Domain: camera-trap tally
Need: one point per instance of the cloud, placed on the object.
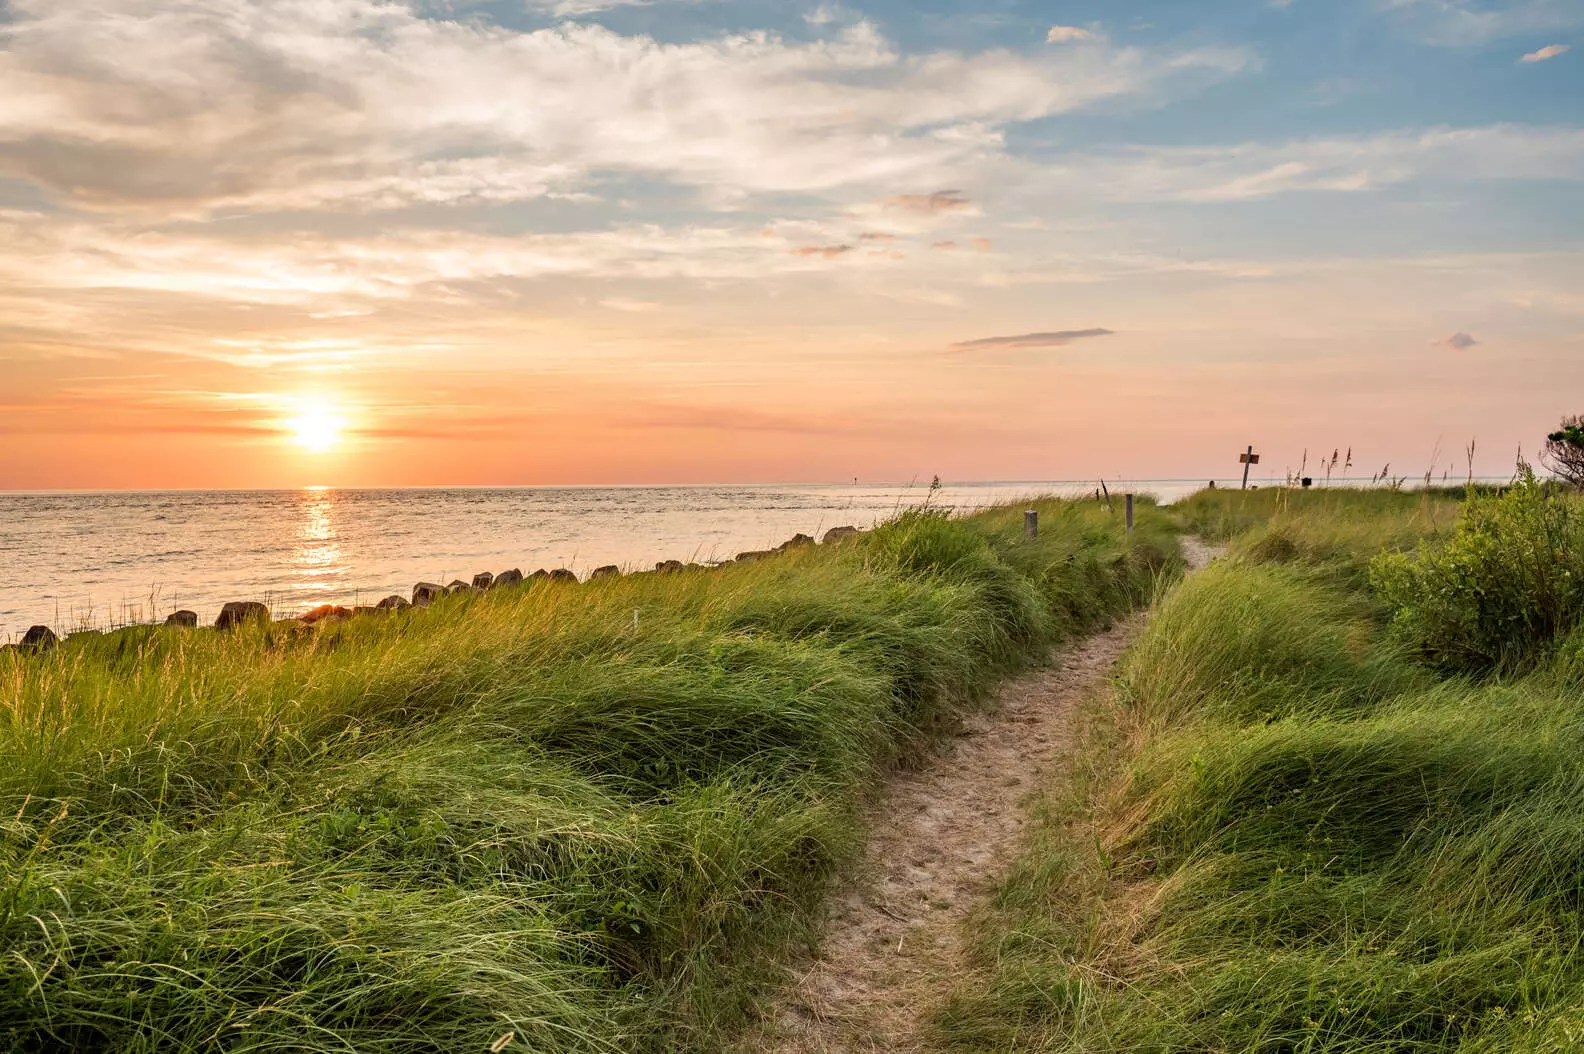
(982, 245)
(1465, 23)
(929, 204)
(825, 251)
(947, 245)
(1056, 339)
(1550, 51)
(290, 105)
(1254, 171)
(876, 236)
(1068, 34)
(1459, 341)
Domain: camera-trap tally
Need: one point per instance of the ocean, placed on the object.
(77, 560)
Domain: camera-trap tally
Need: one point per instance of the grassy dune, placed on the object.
(568, 818)
(1336, 804)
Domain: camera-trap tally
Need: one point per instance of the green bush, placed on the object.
(1500, 591)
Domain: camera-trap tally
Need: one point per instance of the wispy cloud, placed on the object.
(1055, 339)
(825, 251)
(929, 204)
(1459, 341)
(1252, 171)
(280, 105)
(1467, 23)
(1068, 34)
(1550, 51)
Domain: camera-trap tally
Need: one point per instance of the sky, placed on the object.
(255, 243)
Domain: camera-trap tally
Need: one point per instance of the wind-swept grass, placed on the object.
(1284, 833)
(557, 818)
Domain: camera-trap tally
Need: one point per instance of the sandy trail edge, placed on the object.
(938, 838)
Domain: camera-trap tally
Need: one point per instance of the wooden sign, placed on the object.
(1248, 459)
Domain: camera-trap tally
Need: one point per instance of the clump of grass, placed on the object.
(518, 814)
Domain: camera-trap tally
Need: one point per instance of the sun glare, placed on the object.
(316, 428)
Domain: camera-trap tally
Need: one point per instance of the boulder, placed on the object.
(392, 603)
(540, 575)
(669, 567)
(757, 554)
(38, 639)
(185, 618)
(513, 577)
(458, 586)
(561, 574)
(239, 611)
(482, 580)
(797, 541)
(608, 571)
(424, 593)
(836, 534)
(325, 613)
(364, 609)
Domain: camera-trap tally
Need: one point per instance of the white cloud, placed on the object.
(1468, 23)
(283, 104)
(1068, 34)
(1550, 51)
(1251, 171)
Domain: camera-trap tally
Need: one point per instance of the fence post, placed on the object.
(1129, 511)
(1031, 524)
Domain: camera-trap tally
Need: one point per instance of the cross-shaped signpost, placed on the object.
(1248, 459)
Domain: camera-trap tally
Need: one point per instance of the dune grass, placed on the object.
(1291, 828)
(547, 817)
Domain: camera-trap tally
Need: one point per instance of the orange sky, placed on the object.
(350, 242)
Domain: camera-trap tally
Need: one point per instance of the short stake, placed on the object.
(1031, 524)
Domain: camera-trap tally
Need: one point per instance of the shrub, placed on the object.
(1500, 591)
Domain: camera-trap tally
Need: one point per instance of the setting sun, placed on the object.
(316, 428)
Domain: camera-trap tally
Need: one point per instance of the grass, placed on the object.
(523, 820)
(1290, 830)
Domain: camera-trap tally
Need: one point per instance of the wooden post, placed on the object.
(1129, 511)
(1248, 459)
(1031, 524)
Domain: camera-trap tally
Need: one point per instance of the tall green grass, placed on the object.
(554, 818)
(1286, 833)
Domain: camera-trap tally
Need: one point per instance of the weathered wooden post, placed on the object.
(1248, 459)
(1031, 524)
(1129, 511)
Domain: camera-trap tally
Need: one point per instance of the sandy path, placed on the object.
(938, 840)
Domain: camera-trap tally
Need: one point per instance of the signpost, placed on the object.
(1248, 459)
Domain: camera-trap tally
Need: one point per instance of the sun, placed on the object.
(316, 428)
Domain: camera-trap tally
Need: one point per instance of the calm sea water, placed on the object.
(76, 560)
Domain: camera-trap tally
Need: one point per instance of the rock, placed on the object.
(669, 567)
(424, 593)
(364, 609)
(561, 574)
(185, 618)
(392, 603)
(482, 580)
(836, 534)
(797, 541)
(240, 611)
(458, 586)
(608, 571)
(37, 639)
(513, 577)
(757, 554)
(325, 613)
(540, 575)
